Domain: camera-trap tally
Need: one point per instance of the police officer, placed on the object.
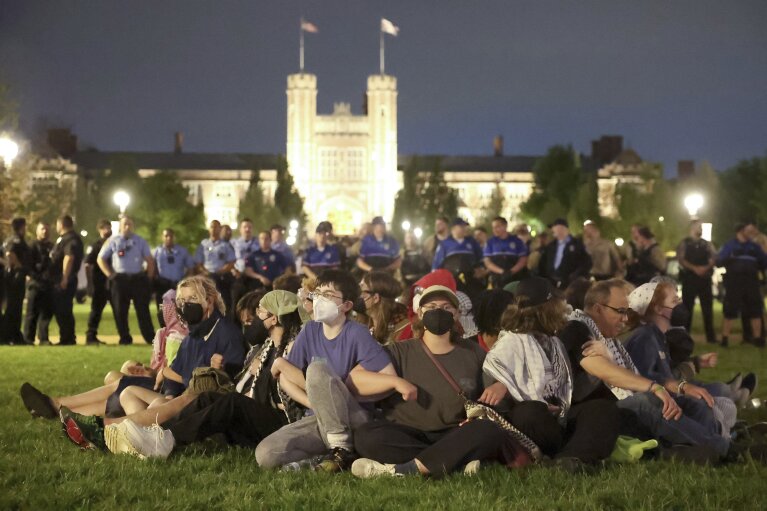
(122, 260)
(322, 255)
(66, 258)
(280, 245)
(462, 256)
(265, 264)
(215, 257)
(743, 259)
(245, 245)
(97, 282)
(696, 258)
(39, 287)
(378, 250)
(505, 255)
(173, 263)
(17, 267)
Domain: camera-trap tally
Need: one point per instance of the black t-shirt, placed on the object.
(18, 246)
(92, 259)
(69, 244)
(40, 260)
(585, 386)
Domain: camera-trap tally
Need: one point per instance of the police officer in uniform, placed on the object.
(696, 258)
(505, 255)
(265, 264)
(39, 287)
(322, 255)
(743, 259)
(280, 245)
(17, 267)
(379, 251)
(122, 260)
(173, 263)
(215, 257)
(97, 282)
(462, 256)
(245, 245)
(66, 258)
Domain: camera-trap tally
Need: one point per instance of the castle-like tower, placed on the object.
(344, 165)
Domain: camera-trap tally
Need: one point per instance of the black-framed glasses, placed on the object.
(623, 311)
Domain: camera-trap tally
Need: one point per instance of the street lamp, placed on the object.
(418, 232)
(122, 199)
(693, 203)
(406, 225)
(9, 150)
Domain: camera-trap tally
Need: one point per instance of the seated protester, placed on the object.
(379, 251)
(420, 432)
(435, 278)
(265, 264)
(651, 307)
(491, 304)
(505, 255)
(462, 256)
(387, 318)
(306, 295)
(531, 365)
(605, 370)
(288, 282)
(253, 331)
(322, 255)
(167, 340)
(319, 373)
(466, 317)
(257, 407)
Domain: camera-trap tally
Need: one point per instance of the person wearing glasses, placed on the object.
(605, 370)
(321, 372)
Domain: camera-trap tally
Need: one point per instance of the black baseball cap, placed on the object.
(378, 221)
(560, 221)
(534, 291)
(324, 226)
(459, 221)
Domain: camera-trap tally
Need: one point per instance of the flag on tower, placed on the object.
(389, 27)
(307, 26)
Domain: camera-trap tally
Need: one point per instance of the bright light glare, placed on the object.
(406, 225)
(291, 240)
(693, 203)
(9, 150)
(293, 224)
(122, 199)
(619, 242)
(418, 232)
(84, 234)
(660, 219)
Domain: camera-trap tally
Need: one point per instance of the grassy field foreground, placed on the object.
(40, 469)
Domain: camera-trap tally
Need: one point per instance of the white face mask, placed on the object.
(325, 311)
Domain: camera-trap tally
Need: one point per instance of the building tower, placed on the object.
(382, 143)
(302, 110)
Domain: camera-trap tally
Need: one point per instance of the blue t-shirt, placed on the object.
(325, 258)
(173, 262)
(214, 255)
(450, 246)
(353, 346)
(126, 255)
(386, 248)
(269, 264)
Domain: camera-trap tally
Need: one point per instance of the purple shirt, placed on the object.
(353, 346)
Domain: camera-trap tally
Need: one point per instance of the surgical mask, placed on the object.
(325, 311)
(255, 333)
(438, 321)
(680, 315)
(192, 313)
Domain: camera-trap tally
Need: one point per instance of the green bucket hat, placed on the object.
(280, 302)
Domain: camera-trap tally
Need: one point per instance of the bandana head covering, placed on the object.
(640, 298)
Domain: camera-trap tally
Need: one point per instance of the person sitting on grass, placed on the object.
(420, 432)
(386, 317)
(491, 305)
(531, 366)
(319, 373)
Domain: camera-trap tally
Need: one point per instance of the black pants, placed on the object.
(243, 420)
(134, 287)
(15, 287)
(160, 287)
(700, 288)
(439, 451)
(589, 435)
(101, 296)
(63, 301)
(39, 311)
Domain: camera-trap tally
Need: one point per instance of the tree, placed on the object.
(493, 208)
(255, 206)
(556, 175)
(286, 197)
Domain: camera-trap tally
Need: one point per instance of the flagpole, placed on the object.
(382, 52)
(301, 45)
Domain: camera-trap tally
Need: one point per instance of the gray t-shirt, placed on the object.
(437, 407)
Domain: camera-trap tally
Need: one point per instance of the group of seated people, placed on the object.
(340, 375)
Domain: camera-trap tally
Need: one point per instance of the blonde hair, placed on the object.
(204, 287)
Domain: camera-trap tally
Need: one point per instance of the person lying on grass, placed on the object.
(256, 408)
(319, 372)
(531, 367)
(421, 432)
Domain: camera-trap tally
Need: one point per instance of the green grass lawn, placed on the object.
(41, 469)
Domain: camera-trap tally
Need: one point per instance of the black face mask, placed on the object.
(255, 333)
(680, 315)
(191, 313)
(438, 321)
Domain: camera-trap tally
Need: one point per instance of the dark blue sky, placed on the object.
(679, 79)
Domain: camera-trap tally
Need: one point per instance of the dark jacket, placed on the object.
(576, 262)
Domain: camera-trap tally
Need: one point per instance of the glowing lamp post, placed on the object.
(693, 203)
(406, 225)
(122, 199)
(9, 150)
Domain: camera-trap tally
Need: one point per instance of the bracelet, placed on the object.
(657, 387)
(680, 387)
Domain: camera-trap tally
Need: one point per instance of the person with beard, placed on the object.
(421, 431)
(256, 408)
(39, 287)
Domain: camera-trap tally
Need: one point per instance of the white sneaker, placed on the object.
(140, 441)
(472, 468)
(366, 468)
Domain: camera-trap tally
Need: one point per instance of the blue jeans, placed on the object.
(697, 425)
